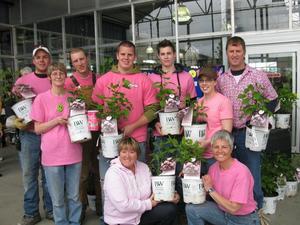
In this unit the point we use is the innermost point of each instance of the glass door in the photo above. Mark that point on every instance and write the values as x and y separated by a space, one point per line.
282 68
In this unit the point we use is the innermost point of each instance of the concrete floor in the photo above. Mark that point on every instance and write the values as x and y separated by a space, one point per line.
11 197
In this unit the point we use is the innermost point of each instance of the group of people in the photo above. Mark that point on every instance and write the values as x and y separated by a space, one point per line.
232 171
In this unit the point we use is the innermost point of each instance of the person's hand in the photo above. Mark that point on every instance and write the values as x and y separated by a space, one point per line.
153 202
158 128
176 198
61 120
207 182
19 123
128 129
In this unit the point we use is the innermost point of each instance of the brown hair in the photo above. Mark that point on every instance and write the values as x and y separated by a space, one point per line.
165 43
128 44
76 50
236 40
56 66
208 72
127 142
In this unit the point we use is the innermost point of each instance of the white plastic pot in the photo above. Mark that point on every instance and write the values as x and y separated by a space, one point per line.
291 188
109 145
256 138
22 109
195 132
193 191
283 121
163 188
170 123
281 190
78 129
92 202
269 205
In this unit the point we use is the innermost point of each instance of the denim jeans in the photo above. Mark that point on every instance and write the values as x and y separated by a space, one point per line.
252 160
30 163
210 212
64 190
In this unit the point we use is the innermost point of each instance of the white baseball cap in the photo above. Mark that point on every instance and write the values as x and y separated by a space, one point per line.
45 49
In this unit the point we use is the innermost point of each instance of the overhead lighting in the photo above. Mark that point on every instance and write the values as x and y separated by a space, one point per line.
184 15
149 50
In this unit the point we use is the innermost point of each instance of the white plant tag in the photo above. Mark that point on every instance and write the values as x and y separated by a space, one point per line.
188 118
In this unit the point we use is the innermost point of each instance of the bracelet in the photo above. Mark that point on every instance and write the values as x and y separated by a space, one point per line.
210 190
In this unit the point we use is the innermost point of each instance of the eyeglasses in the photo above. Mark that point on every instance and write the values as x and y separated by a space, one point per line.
205 81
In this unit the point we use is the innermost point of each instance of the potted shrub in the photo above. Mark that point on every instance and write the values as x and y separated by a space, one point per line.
169 104
115 107
194 122
287 100
269 186
255 107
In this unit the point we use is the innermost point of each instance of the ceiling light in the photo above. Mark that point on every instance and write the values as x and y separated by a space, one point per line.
184 15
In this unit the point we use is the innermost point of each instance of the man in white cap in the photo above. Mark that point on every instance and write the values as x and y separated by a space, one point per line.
30 143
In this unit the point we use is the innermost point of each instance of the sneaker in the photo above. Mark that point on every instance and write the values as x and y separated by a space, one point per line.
27 220
49 216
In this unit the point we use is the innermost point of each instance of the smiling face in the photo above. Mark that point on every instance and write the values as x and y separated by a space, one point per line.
80 62
207 85
126 57
57 78
236 56
128 157
221 151
166 56
41 61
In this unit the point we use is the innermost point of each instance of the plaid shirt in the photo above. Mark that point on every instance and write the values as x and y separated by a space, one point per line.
227 86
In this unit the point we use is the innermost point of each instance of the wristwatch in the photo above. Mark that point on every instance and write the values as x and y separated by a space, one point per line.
210 190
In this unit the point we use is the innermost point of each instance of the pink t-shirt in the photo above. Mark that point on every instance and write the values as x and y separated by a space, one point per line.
186 84
39 85
57 149
234 184
83 81
217 109
140 94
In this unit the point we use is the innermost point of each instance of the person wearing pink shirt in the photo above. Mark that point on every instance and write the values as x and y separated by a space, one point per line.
232 83
230 184
61 159
83 80
218 109
127 191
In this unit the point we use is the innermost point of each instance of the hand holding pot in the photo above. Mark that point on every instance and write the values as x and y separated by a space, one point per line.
207 182
176 198
158 128
61 120
19 123
153 202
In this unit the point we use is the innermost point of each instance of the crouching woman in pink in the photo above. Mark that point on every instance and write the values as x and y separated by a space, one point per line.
127 192
230 184
61 159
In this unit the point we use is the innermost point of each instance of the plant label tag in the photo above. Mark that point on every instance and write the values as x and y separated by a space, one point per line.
27 94
168 167
76 112
191 170
109 127
188 118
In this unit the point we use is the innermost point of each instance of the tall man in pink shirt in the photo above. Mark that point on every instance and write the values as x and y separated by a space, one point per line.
231 84
84 80
141 95
31 142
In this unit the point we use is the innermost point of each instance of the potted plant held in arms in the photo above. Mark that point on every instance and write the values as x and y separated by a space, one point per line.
287 100
169 103
113 108
194 121
190 156
255 108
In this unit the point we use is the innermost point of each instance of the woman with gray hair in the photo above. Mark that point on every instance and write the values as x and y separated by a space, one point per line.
230 184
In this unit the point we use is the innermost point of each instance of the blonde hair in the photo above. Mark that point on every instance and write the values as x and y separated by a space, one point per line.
56 66
126 143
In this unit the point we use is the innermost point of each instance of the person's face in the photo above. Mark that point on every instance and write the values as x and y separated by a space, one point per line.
80 62
41 61
221 150
207 85
166 56
128 157
126 58
57 78
236 56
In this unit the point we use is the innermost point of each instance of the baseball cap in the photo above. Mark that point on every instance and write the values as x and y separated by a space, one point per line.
45 49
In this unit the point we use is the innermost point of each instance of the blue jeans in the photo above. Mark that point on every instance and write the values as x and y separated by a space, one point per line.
210 212
30 164
64 185
252 160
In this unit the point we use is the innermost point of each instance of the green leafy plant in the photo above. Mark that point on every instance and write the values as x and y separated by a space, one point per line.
253 101
287 100
116 106
6 83
269 176
163 92
106 65
283 165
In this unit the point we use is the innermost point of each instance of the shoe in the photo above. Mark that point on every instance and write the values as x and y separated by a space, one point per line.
49 216
27 220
